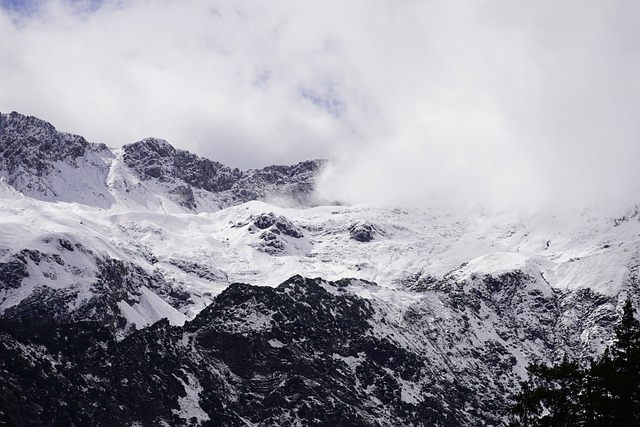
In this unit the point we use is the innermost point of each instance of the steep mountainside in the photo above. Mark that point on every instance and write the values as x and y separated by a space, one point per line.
307 352
417 316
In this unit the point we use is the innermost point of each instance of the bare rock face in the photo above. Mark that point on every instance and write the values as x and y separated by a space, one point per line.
92 288
299 354
308 352
46 164
278 224
364 231
37 144
276 233
156 159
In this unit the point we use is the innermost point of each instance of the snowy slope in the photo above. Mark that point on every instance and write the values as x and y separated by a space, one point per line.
126 237
200 254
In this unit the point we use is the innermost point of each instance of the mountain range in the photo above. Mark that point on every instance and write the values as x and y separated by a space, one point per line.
145 285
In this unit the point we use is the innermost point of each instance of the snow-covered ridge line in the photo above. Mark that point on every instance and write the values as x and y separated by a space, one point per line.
137 204
49 165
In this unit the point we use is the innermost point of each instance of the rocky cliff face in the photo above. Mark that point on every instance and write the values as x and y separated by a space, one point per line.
308 352
34 145
68 283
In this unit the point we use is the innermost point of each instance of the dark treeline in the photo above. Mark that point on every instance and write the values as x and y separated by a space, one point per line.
607 393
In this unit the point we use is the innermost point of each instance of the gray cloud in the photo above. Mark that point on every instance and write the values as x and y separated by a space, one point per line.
499 102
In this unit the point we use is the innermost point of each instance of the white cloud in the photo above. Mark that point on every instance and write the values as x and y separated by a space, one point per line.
224 79
504 102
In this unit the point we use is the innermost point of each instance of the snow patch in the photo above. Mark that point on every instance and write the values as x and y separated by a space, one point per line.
190 404
275 343
149 309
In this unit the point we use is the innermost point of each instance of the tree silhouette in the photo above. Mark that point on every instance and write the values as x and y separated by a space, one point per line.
605 394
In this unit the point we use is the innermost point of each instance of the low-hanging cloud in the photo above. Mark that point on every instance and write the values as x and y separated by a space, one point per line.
497 102
510 105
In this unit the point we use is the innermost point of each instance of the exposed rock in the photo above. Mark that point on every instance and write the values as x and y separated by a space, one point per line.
308 352
47 164
12 273
156 158
278 225
93 297
185 196
294 355
277 233
363 231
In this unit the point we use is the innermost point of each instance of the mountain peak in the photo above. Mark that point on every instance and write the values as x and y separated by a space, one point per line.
35 140
26 121
151 145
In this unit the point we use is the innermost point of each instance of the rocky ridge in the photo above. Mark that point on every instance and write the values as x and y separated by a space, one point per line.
46 164
307 352
190 176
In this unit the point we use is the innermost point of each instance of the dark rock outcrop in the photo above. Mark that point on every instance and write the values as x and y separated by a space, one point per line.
274 232
55 302
363 231
302 353
308 352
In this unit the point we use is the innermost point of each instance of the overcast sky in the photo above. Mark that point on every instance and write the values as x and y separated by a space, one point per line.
498 101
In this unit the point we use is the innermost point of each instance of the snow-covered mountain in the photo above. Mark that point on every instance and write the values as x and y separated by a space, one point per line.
148 175
418 316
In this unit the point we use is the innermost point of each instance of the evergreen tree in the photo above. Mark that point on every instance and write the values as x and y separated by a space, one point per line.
605 394
600 378
625 382
526 408
553 394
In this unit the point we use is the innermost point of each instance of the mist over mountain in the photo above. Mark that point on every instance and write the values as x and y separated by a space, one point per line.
145 285
528 107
